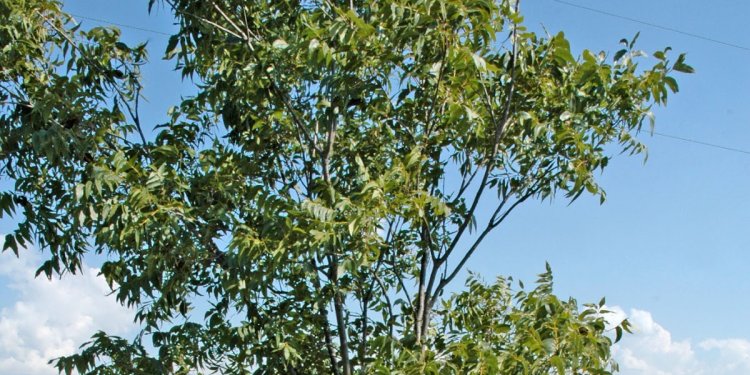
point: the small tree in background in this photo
(304, 212)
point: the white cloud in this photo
(652, 350)
(51, 318)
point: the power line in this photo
(667, 28)
(702, 143)
(674, 137)
(121, 25)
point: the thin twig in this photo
(228, 19)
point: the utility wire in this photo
(667, 28)
(674, 137)
(120, 24)
(702, 143)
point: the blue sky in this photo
(668, 246)
(672, 236)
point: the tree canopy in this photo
(305, 211)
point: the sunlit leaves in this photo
(313, 197)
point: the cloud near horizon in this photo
(43, 319)
(652, 350)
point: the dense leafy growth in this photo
(304, 212)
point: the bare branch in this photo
(429, 118)
(338, 308)
(323, 312)
(330, 140)
(229, 19)
(465, 183)
(446, 280)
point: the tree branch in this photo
(465, 183)
(490, 164)
(324, 315)
(492, 224)
(338, 307)
(389, 305)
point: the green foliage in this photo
(487, 330)
(298, 214)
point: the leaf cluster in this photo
(306, 209)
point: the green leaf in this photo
(681, 66)
(171, 49)
(635, 38)
(479, 62)
(558, 363)
(549, 345)
(280, 44)
(619, 54)
(561, 49)
(672, 83)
